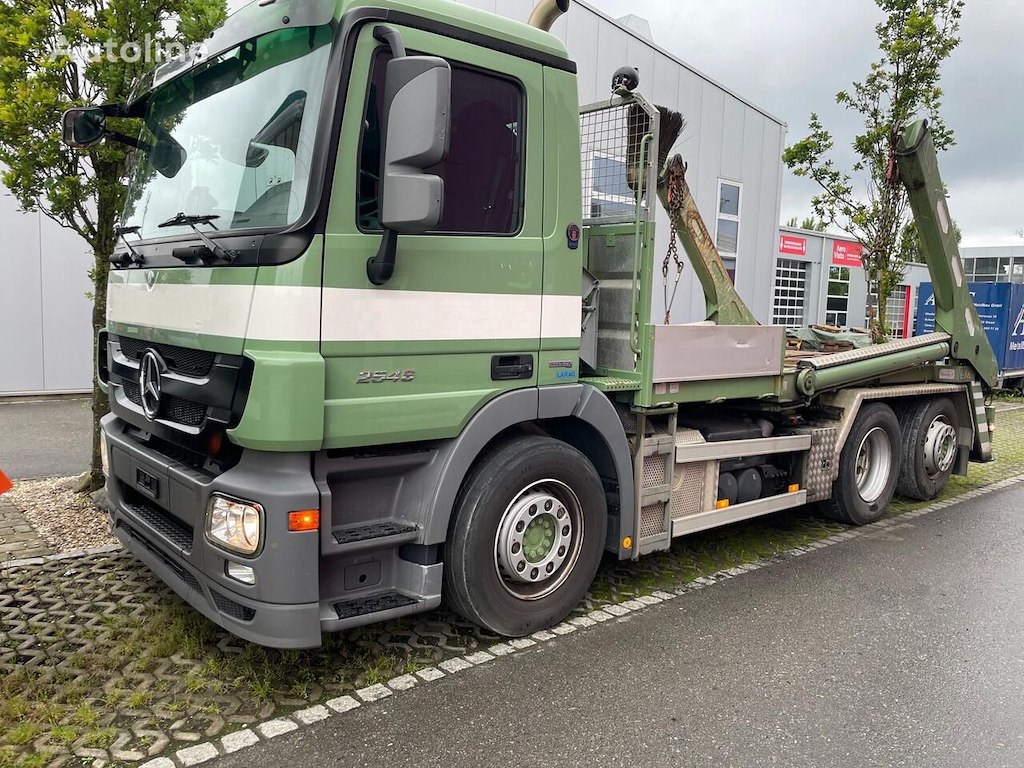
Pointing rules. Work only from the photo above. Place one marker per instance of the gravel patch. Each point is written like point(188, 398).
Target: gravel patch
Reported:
point(65, 519)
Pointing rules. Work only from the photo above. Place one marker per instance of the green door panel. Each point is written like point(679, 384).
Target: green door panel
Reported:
point(454, 302)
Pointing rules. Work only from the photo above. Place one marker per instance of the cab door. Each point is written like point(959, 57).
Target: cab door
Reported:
point(459, 322)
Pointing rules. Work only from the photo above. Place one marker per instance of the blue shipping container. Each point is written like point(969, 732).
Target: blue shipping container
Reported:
point(1014, 360)
point(1001, 309)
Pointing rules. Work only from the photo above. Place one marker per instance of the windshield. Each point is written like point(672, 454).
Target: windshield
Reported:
point(232, 140)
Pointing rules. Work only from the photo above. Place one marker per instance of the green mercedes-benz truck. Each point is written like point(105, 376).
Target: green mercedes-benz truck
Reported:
point(366, 349)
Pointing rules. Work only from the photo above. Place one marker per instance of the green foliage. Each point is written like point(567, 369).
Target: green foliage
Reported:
point(56, 54)
point(911, 247)
point(808, 222)
point(915, 38)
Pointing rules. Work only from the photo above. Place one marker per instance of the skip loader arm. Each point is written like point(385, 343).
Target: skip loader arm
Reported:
point(954, 309)
point(722, 303)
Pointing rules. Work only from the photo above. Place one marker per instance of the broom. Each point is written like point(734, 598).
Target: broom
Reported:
point(638, 125)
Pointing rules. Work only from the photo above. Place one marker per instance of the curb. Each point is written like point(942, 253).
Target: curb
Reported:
point(197, 754)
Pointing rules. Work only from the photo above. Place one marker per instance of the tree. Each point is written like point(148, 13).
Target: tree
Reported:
point(915, 38)
point(56, 54)
point(808, 222)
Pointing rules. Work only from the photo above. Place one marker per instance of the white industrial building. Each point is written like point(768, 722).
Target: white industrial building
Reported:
point(732, 146)
point(819, 279)
point(45, 311)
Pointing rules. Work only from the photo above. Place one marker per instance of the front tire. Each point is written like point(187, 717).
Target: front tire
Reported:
point(869, 466)
point(526, 536)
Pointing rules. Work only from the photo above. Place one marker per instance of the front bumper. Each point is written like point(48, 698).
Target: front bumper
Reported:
point(162, 522)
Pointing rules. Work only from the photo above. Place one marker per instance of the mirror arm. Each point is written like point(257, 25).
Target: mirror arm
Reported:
point(381, 267)
point(393, 38)
point(128, 140)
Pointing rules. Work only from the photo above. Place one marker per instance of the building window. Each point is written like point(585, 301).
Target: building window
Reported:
point(790, 293)
point(985, 270)
point(609, 194)
point(484, 170)
point(837, 302)
point(727, 232)
point(896, 315)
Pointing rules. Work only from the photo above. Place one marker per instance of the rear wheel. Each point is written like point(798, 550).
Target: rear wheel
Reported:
point(526, 537)
point(931, 431)
point(868, 467)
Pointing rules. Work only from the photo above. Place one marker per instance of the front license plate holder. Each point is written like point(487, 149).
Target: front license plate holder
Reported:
point(147, 483)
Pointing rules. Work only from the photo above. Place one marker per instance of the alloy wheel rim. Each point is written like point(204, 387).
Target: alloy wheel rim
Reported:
point(538, 540)
point(874, 464)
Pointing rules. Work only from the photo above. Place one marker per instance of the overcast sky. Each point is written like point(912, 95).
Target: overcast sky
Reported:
point(790, 57)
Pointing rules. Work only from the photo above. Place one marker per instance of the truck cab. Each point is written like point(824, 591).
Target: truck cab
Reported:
point(251, 381)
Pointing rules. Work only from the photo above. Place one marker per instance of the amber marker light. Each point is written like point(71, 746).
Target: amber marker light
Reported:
point(721, 504)
point(304, 520)
point(794, 487)
point(627, 542)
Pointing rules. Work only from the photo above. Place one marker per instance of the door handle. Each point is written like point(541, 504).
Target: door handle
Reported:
point(510, 367)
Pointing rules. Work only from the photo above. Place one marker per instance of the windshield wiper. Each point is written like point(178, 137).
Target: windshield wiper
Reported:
point(191, 220)
point(123, 260)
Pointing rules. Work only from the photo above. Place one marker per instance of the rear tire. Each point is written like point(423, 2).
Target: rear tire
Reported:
point(931, 431)
point(526, 536)
point(868, 468)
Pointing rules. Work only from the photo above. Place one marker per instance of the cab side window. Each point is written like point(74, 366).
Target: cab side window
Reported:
point(484, 170)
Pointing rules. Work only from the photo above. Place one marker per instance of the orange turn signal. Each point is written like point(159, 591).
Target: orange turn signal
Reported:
point(721, 504)
point(794, 487)
point(304, 520)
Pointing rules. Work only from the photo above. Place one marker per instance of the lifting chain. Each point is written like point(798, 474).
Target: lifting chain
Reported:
point(674, 194)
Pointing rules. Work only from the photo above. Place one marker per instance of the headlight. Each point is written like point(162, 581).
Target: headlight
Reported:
point(104, 455)
point(234, 524)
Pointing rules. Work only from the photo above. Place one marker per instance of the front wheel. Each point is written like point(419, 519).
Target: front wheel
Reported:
point(868, 467)
point(526, 537)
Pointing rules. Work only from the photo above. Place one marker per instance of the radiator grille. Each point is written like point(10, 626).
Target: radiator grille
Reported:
point(176, 409)
point(188, 362)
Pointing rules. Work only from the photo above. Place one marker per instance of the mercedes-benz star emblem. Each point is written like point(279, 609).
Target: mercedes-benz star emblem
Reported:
point(150, 369)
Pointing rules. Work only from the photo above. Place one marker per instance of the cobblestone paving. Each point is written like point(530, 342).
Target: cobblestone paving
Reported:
point(18, 539)
point(100, 664)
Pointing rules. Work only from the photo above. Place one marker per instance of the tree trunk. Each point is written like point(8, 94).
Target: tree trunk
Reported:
point(108, 202)
point(100, 402)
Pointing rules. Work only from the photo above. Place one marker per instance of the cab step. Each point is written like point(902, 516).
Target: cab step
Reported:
point(384, 601)
point(371, 535)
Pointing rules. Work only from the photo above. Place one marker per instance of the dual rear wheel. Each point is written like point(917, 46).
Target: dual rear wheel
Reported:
point(910, 451)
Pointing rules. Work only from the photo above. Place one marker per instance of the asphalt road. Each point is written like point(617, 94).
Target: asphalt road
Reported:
point(45, 437)
point(901, 648)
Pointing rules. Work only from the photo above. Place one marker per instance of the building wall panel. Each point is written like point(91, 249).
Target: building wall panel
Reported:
point(21, 315)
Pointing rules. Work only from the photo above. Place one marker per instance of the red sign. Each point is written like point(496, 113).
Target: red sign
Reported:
point(906, 311)
point(796, 246)
point(846, 254)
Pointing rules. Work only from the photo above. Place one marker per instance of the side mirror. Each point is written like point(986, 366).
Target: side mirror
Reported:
point(416, 128)
point(417, 105)
point(83, 127)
